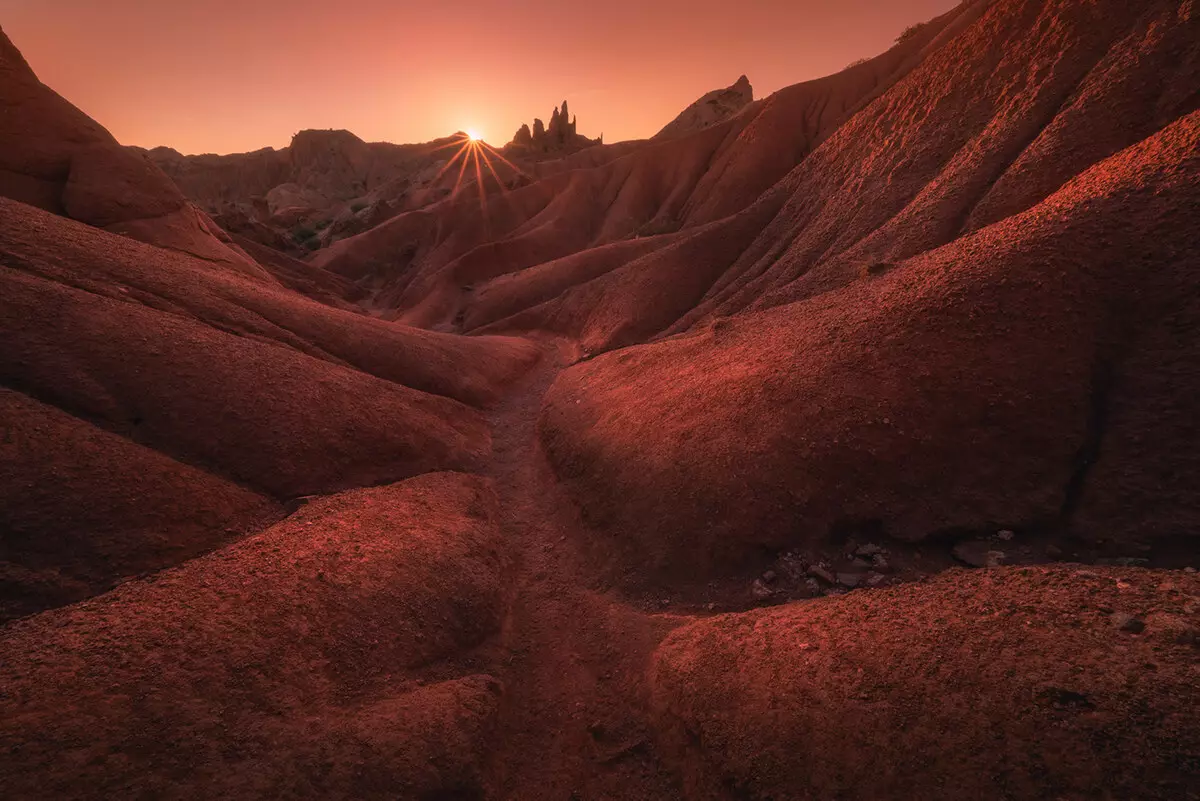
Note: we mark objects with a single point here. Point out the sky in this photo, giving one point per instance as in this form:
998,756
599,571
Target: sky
230,76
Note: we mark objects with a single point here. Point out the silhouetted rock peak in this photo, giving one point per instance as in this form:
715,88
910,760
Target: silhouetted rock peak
560,136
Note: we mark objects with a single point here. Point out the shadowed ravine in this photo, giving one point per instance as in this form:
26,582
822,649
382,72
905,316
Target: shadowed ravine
573,720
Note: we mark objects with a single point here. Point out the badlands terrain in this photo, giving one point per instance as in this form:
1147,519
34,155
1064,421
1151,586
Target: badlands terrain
838,444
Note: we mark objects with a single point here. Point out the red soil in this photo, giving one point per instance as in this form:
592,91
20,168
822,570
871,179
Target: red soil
1014,683
261,414
939,306
473,371
313,659
977,367
83,508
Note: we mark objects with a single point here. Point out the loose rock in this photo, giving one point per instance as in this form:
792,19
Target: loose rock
760,591
1129,623
978,553
822,573
850,580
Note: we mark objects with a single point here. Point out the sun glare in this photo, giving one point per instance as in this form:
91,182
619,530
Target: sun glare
474,135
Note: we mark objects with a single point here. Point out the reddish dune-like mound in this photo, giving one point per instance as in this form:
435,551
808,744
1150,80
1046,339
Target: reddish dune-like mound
1014,683
471,370
319,658
82,508
55,157
982,384
262,414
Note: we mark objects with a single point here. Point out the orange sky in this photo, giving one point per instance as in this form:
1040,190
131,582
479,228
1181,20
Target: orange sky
234,75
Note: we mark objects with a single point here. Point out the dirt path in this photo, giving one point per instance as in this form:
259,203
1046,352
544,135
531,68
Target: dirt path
573,724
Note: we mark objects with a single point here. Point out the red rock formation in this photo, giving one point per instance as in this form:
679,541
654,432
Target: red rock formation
54,157
324,186
944,299
857,352
561,137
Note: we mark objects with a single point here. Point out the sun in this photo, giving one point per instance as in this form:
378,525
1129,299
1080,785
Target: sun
474,135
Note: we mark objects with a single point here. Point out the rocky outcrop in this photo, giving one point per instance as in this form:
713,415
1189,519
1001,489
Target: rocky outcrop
558,139
716,106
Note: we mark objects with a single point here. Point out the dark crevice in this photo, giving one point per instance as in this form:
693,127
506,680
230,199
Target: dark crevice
1089,450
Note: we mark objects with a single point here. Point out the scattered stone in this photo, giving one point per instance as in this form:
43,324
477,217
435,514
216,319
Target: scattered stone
1054,552
760,591
813,586
868,550
834,591
880,564
875,580
769,576
850,580
793,565
1189,570
977,553
1128,623
822,573
1005,535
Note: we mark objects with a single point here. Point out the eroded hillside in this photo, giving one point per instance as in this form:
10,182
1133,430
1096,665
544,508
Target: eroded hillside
843,445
